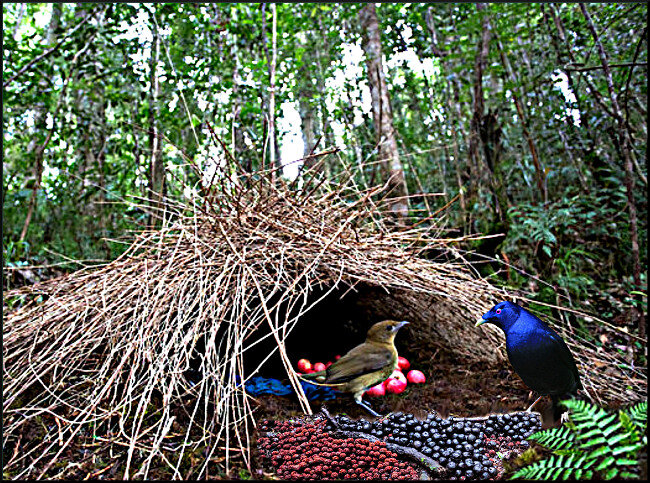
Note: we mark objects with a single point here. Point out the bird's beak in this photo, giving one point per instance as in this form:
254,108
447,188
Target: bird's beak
401,324
480,322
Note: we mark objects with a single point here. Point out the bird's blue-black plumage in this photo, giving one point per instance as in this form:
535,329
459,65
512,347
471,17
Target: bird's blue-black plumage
537,353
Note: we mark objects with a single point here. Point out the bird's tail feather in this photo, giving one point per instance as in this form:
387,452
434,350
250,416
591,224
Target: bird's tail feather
317,378
314,376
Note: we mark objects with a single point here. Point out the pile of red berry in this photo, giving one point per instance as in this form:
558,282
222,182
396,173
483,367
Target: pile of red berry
305,451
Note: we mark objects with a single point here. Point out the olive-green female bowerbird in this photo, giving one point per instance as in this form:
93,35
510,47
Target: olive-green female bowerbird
366,365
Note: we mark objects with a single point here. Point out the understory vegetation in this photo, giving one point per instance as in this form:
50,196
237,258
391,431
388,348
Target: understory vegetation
595,443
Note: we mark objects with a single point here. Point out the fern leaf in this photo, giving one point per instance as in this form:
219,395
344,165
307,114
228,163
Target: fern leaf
622,436
568,451
613,428
593,438
554,438
605,463
555,467
598,452
632,448
626,475
590,434
639,415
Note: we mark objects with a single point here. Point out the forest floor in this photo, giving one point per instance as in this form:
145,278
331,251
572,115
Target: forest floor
453,388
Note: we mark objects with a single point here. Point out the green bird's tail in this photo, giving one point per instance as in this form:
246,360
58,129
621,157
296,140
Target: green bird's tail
319,376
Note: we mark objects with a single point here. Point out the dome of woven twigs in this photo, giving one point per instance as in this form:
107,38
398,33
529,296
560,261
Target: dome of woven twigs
103,353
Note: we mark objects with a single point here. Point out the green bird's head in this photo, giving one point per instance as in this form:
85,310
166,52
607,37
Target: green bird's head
384,332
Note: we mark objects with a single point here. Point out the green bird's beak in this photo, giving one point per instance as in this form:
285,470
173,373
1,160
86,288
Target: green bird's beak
480,322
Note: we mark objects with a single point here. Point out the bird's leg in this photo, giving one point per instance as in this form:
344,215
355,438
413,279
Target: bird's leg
367,407
533,405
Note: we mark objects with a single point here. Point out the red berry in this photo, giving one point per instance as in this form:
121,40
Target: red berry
402,363
397,374
376,391
395,386
304,365
415,377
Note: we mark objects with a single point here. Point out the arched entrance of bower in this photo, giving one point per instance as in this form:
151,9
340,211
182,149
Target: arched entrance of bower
340,321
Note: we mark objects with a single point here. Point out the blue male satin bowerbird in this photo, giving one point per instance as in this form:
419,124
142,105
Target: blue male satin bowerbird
537,353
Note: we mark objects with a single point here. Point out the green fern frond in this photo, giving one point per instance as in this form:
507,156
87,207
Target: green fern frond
639,415
554,438
593,441
557,467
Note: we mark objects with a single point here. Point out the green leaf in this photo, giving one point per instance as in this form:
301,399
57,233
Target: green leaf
603,450
605,463
627,449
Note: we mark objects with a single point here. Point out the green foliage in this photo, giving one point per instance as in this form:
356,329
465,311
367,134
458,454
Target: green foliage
594,442
571,241
214,57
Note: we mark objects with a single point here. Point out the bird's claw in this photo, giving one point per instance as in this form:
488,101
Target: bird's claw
564,418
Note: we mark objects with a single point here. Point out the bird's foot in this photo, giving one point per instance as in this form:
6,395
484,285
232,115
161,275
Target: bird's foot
533,405
564,418
367,407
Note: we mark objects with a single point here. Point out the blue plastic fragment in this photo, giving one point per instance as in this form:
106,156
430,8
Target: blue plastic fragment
257,386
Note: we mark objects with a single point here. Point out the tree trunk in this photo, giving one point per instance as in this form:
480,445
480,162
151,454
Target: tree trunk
238,146
273,158
156,165
485,130
453,96
323,129
382,115
19,19
478,102
623,139
268,102
454,134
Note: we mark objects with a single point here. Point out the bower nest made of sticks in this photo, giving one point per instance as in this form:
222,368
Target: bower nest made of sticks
111,354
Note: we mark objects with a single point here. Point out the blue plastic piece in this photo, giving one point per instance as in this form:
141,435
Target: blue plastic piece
256,386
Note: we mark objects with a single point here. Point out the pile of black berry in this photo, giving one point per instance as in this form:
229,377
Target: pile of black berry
467,448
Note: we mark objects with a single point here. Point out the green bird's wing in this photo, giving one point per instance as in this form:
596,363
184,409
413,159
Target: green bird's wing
363,359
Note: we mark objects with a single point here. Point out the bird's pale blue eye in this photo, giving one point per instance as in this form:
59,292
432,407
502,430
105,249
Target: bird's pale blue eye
498,311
